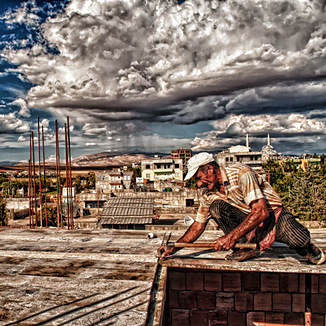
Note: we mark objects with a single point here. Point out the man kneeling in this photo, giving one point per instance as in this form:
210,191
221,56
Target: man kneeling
246,208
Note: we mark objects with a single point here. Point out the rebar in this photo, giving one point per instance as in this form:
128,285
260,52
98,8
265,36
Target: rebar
45,205
39,169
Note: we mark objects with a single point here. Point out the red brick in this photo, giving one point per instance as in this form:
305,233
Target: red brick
199,318
195,281
298,302
218,318
236,318
294,318
289,283
317,320
270,282
173,299
302,283
262,301
187,299
314,283
180,317
213,281
244,301
232,282
322,283
274,317
177,281
251,281
206,300
255,317
225,301
282,302
318,303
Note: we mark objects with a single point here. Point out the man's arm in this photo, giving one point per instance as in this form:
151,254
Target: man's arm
192,234
259,212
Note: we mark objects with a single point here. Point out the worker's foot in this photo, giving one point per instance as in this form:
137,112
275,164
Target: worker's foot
241,254
315,255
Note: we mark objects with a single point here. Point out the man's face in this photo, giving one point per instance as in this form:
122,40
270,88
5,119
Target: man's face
207,180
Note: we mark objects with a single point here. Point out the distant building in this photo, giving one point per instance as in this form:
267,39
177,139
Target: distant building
127,213
65,194
113,180
240,154
162,169
269,153
183,154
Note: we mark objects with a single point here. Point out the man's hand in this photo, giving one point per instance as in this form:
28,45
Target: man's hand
166,250
225,242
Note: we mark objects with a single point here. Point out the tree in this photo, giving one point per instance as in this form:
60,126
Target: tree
308,195
3,213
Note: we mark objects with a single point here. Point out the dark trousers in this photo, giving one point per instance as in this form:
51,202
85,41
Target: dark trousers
288,229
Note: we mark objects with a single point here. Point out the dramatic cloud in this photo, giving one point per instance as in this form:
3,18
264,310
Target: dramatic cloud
117,67
11,124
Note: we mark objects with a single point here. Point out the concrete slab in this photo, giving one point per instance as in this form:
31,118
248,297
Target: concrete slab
105,277
77,277
278,258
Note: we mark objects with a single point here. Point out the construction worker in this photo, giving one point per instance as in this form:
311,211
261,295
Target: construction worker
246,208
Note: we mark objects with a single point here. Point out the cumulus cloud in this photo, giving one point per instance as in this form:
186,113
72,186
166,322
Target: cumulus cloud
24,110
121,65
232,130
9,123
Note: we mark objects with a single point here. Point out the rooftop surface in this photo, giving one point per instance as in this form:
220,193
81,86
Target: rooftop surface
76,277
104,277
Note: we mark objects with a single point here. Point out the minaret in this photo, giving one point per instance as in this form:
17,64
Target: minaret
268,140
247,140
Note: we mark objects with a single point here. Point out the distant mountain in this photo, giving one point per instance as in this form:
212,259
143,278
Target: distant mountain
112,159
8,163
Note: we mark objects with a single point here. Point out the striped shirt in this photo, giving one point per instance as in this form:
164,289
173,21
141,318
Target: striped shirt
242,186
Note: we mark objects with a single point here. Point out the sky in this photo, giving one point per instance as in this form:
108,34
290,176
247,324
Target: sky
140,75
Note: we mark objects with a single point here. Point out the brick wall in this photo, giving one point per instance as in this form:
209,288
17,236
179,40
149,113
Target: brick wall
201,297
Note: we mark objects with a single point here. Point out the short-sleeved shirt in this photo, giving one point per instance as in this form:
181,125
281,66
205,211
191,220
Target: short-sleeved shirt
242,187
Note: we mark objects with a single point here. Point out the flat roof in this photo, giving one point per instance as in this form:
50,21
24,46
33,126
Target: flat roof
76,277
278,258
81,277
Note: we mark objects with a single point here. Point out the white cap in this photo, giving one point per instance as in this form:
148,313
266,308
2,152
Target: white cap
196,161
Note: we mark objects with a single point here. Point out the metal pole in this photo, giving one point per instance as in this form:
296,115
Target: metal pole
39,168
34,181
29,185
67,179
58,175
45,208
70,177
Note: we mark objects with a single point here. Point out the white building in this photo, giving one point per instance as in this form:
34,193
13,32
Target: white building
162,169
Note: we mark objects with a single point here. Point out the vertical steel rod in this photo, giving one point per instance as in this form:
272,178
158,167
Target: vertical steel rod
29,183
67,179
70,177
39,169
34,181
59,213
45,208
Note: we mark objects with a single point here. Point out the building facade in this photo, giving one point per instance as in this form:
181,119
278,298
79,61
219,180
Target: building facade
162,169
183,154
113,180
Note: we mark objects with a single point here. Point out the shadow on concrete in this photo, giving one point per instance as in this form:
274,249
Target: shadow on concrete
82,307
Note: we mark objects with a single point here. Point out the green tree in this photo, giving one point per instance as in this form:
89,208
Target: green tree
3,212
307,197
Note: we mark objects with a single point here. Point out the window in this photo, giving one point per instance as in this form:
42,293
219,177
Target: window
231,159
148,166
177,166
226,159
